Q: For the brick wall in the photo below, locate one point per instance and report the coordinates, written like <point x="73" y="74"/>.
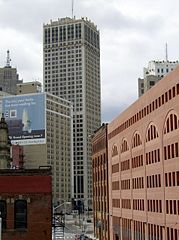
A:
<point x="36" y="191"/>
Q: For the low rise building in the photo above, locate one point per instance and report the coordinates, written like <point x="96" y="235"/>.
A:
<point x="25" y="204"/>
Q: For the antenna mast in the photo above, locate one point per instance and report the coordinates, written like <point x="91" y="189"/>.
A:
<point x="72" y="8"/>
<point x="166" y="52"/>
<point x="8" y="60"/>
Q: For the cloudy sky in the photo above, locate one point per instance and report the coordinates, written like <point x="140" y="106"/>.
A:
<point x="132" y="33"/>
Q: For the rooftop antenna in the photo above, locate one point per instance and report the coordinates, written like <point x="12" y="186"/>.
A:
<point x="8" y="60"/>
<point x="166" y="52"/>
<point x="72" y="8"/>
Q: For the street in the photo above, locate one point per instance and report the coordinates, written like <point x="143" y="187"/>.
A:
<point x="73" y="229"/>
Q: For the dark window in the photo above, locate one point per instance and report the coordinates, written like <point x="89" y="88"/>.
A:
<point x="3" y="211"/>
<point x="20" y="214"/>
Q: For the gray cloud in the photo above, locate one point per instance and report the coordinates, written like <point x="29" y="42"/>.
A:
<point x="132" y="33"/>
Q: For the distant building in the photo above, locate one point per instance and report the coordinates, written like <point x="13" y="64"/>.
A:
<point x="9" y="78"/>
<point x="29" y="87"/>
<point x="71" y="51"/>
<point x="17" y="155"/>
<point x="153" y="73"/>
<point x="1" y="96"/>
<point x="4" y="145"/>
<point x="42" y="124"/>
<point x="143" y="155"/>
<point x="100" y="183"/>
<point x="25" y="204"/>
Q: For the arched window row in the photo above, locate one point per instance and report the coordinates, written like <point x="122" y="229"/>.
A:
<point x="114" y="151"/>
<point x="124" y="146"/>
<point x="152" y="133"/>
<point x="136" y="140"/>
<point x="142" y="113"/>
<point x="171" y="124"/>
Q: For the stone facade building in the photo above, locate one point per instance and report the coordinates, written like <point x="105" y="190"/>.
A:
<point x="4" y="145"/>
<point x="71" y="51"/>
<point x="9" y="77"/>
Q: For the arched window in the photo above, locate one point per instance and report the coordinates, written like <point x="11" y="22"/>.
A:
<point x="3" y="211"/>
<point x="171" y="123"/>
<point x="136" y="140"/>
<point x="124" y="146"/>
<point x="114" y="151"/>
<point x="152" y="133"/>
<point x="20" y="214"/>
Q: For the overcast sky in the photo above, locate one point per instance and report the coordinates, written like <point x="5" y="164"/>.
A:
<point x="132" y="32"/>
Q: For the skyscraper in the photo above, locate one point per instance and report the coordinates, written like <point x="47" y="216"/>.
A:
<point x="71" y="52"/>
<point x="9" y="77"/>
<point x="155" y="71"/>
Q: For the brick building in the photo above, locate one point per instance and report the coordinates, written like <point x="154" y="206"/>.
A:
<point x="25" y="204"/>
<point x="100" y="183"/>
<point x="17" y="156"/>
<point x="143" y="147"/>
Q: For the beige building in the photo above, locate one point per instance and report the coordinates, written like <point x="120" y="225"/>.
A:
<point x="29" y="87"/>
<point x="143" y="153"/>
<point x="71" y="52"/>
<point x="56" y="148"/>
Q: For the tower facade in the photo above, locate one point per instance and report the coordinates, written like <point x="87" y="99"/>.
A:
<point x="71" y="52"/>
<point x="9" y="77"/>
<point x="155" y="71"/>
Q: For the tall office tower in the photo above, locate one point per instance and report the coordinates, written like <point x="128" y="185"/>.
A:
<point x="9" y="77"/>
<point x="71" y="52"/>
<point x="42" y="123"/>
<point x="155" y="71"/>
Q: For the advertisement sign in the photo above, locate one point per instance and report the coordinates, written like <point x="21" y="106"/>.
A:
<point x="25" y="116"/>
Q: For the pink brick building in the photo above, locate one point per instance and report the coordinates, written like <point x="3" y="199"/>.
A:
<point x="143" y="153"/>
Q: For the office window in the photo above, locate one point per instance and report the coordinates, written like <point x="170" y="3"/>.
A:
<point x="20" y="214"/>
